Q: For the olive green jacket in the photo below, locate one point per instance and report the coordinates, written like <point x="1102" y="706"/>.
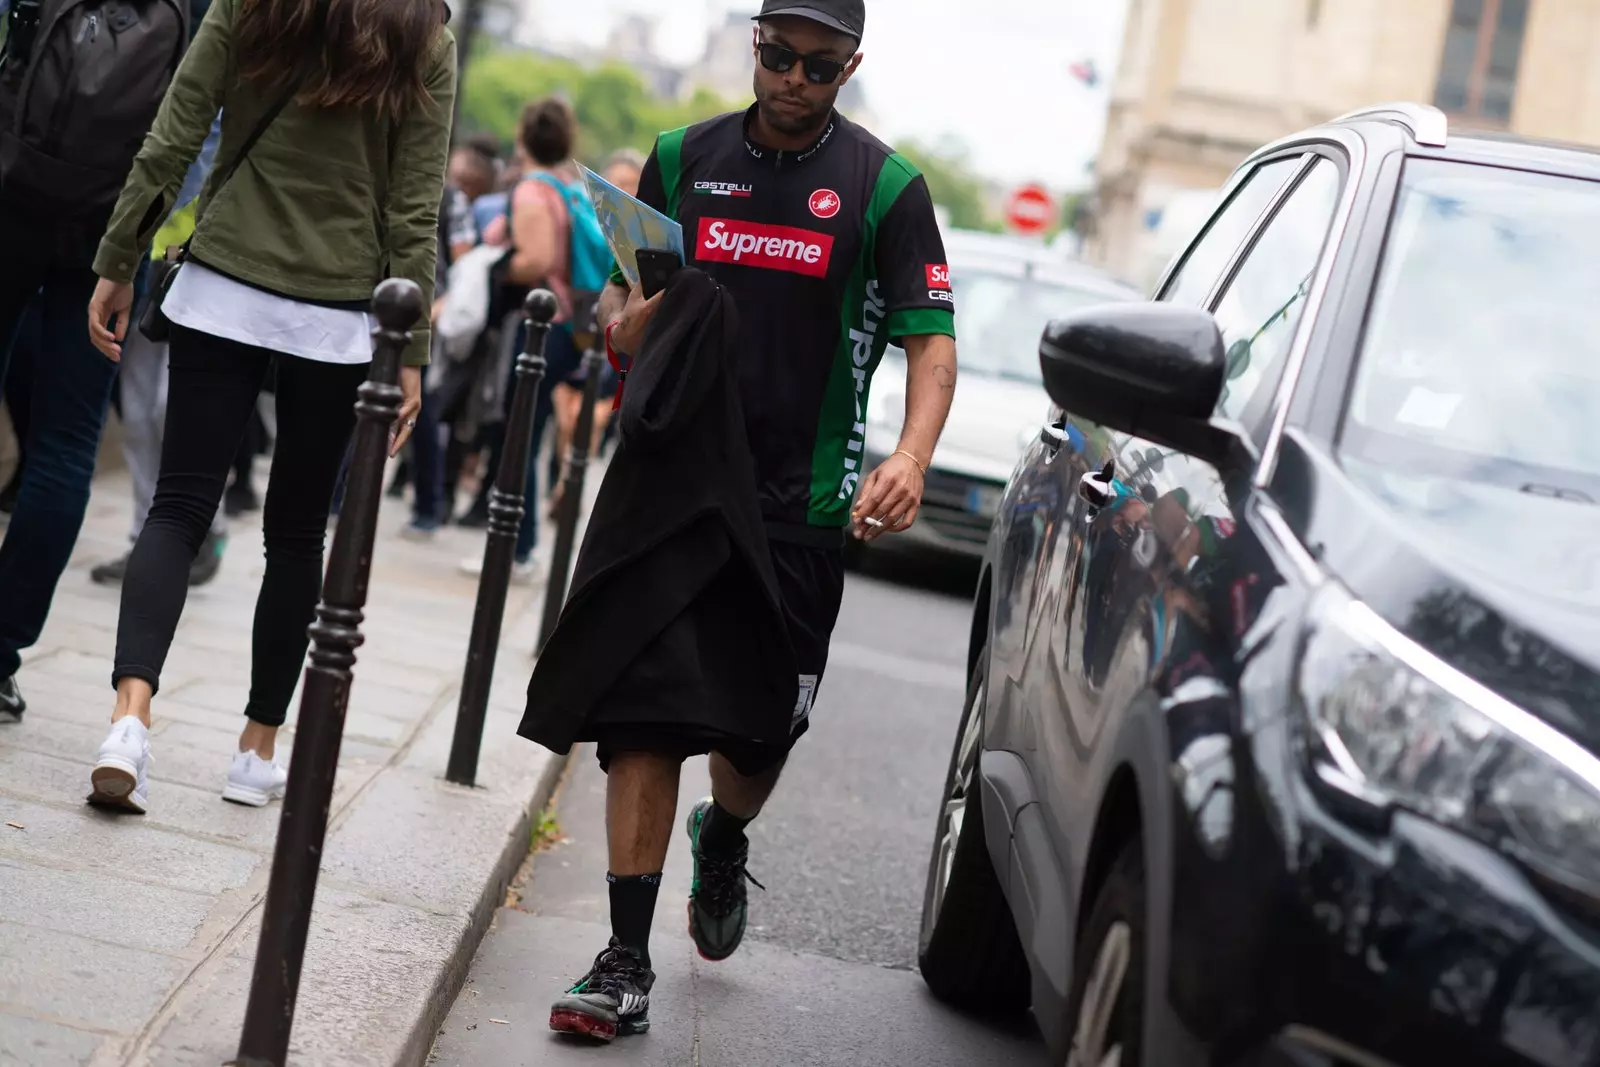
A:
<point x="329" y="202"/>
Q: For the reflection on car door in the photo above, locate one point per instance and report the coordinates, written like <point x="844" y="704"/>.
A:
<point x="1133" y="575"/>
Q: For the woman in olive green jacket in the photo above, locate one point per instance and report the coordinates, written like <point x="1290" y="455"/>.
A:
<point x="349" y="103"/>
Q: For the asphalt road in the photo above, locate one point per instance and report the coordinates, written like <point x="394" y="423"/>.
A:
<point x="828" y="972"/>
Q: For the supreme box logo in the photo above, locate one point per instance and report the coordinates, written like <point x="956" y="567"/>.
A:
<point x="938" y="276"/>
<point x="768" y="247"/>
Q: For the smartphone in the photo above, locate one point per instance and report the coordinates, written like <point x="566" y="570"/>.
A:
<point x="656" y="268"/>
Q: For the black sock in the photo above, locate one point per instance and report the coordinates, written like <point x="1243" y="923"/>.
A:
<point x="633" y="905"/>
<point x="722" y="833"/>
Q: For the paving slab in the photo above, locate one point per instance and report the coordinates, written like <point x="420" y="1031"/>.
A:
<point x="374" y="971"/>
<point x="35" y="1043"/>
<point x="58" y="974"/>
<point x="89" y="904"/>
<point x="118" y="843"/>
<point x="129" y="941"/>
<point x="766" y="1005"/>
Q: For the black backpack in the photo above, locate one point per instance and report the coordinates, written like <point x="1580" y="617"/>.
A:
<point x="80" y="84"/>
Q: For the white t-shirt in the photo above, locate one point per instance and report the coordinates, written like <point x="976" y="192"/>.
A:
<point x="213" y="303"/>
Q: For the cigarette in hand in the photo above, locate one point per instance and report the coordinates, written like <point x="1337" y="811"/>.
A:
<point x="870" y="521"/>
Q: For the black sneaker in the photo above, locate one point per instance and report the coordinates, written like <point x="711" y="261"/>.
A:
<point x="11" y="703"/>
<point x="718" y="903"/>
<point x="208" y="561"/>
<point x="612" y="1000"/>
<point x="110" y="573"/>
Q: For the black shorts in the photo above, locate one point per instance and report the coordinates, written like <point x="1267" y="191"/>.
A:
<point x="810" y="589"/>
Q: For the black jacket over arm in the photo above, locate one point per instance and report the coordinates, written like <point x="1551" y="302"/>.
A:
<point x="674" y="619"/>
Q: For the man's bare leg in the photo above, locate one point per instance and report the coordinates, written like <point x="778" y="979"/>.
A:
<point x="738" y="795"/>
<point x="641" y="803"/>
<point x="614" y="997"/>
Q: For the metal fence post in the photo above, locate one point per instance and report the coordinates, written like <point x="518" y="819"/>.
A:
<point x="335" y="635"/>
<point x="571" y="507"/>
<point x="505" y="517"/>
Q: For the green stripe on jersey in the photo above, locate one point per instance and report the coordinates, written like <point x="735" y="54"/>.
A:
<point x="837" y="457"/>
<point x="922" y="322"/>
<point x="669" y="154"/>
<point x="669" y="158"/>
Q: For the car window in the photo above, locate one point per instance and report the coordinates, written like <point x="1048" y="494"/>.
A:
<point x="1261" y="308"/>
<point x="1000" y="318"/>
<point x="1207" y="257"/>
<point x="1481" y="360"/>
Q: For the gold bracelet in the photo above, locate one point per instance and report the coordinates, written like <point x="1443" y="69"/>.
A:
<point x="908" y="455"/>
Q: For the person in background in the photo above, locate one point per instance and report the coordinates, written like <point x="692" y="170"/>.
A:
<point x="622" y="170"/>
<point x="541" y="232"/>
<point x="475" y="167"/>
<point x="281" y="272"/>
<point x="18" y="389"/>
<point x="142" y="387"/>
<point x="429" y="502"/>
<point x="53" y="208"/>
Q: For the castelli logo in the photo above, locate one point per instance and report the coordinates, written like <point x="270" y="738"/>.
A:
<point x="824" y="203"/>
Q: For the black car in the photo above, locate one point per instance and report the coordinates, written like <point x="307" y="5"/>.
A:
<point x="1281" y="740"/>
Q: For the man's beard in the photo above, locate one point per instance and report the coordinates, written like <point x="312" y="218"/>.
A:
<point x="795" y="124"/>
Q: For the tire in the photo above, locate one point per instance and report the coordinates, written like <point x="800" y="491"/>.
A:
<point x="1105" y="1011"/>
<point x="969" y="952"/>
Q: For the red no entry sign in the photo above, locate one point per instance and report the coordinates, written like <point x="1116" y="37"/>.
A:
<point x="1030" y="210"/>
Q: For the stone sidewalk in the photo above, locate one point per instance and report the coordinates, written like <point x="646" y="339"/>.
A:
<point x="129" y="940"/>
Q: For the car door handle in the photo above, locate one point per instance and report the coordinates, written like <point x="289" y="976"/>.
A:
<point x="1053" y="436"/>
<point x="1095" y="487"/>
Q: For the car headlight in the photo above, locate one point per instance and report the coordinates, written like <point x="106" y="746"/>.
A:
<point x="1393" y="726"/>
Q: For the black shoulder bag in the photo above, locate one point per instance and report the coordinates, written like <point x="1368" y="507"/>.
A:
<point x="154" y="323"/>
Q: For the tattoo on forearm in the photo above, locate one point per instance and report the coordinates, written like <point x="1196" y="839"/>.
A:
<point x="945" y="375"/>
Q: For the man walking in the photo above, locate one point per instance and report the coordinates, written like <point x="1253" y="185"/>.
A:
<point x="827" y="243"/>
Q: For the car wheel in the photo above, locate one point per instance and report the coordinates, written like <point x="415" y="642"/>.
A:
<point x="969" y="952"/>
<point x="1107" y="1002"/>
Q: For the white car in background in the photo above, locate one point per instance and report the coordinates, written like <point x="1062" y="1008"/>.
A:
<point x="1005" y="291"/>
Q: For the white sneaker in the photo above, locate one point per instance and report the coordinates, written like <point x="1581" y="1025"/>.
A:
<point x="521" y="573"/>
<point x="254" y="781"/>
<point x="119" y="778"/>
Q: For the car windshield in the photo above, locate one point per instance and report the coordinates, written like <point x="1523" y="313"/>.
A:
<point x="1482" y="352"/>
<point x="1001" y="315"/>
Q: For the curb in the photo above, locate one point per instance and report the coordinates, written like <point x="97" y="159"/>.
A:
<point x="419" y="1045"/>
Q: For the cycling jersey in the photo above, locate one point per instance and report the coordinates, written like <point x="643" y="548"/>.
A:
<point x="829" y="254"/>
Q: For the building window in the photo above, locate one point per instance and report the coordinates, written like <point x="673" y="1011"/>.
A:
<point x="1482" y="49"/>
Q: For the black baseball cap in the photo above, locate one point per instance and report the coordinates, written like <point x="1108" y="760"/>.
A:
<point x="846" y="16"/>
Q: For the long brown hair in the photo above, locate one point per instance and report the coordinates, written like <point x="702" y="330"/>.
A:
<point x="371" y="51"/>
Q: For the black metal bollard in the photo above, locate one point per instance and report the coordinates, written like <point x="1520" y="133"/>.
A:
<point x="335" y="635"/>
<point x="572" y="479"/>
<point x="505" y="517"/>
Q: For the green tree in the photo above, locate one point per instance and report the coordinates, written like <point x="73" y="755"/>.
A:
<point x="952" y="185"/>
<point x="613" y="107"/>
<point x="615" y="110"/>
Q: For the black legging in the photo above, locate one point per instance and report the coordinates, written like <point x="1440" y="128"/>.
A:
<point x="211" y="390"/>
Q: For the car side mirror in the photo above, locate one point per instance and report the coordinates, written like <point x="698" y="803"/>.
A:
<point x="1152" y="370"/>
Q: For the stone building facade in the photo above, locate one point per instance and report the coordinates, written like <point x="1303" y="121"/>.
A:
<point x="1204" y="82"/>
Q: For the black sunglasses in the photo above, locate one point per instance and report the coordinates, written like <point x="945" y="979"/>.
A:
<point x="820" y="70"/>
